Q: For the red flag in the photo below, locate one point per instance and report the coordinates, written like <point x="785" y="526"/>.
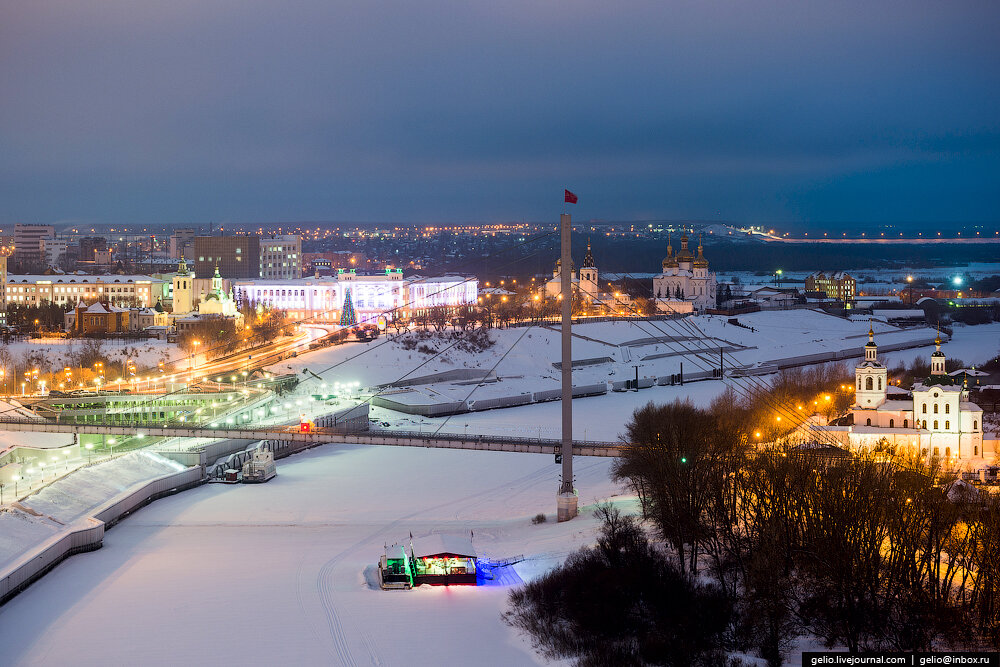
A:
<point x="570" y="197"/>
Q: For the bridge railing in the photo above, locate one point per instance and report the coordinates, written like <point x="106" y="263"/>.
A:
<point x="261" y="432"/>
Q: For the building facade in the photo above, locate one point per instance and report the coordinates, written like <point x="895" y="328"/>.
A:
<point x="685" y="278"/>
<point x="322" y="299"/>
<point x="97" y="319"/>
<point x="838" y="285"/>
<point x="934" y="420"/>
<point x="281" y="257"/>
<point x="61" y="289"/>
<point x="27" y="243"/>
<point x="53" y="251"/>
<point x="238" y="257"/>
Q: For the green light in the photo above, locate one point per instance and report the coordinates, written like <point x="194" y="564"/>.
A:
<point x="684" y="459"/>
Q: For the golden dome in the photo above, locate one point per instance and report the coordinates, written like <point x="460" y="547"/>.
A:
<point x="700" y="262"/>
<point x="669" y="261"/>
<point x="684" y="254"/>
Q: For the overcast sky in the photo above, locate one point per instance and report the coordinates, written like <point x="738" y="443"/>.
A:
<point x="191" y="111"/>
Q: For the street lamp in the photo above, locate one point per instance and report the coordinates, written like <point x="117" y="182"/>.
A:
<point x="909" y="286"/>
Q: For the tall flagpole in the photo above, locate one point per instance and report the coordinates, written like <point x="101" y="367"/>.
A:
<point x="566" y="501"/>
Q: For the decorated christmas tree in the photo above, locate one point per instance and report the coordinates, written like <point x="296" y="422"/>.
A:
<point x="347" y="315"/>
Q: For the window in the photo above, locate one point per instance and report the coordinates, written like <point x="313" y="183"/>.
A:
<point x="868" y="383"/>
<point x="868" y="422"/>
<point x="975" y="450"/>
<point x="975" y="424"/>
<point x="880" y="383"/>
<point x="947" y="408"/>
<point x="947" y="424"/>
<point x="924" y="425"/>
<point x="935" y="408"/>
<point x="935" y="424"/>
<point x="937" y="451"/>
<point x="906" y="423"/>
<point x="947" y="452"/>
<point x="923" y="408"/>
<point x="892" y="423"/>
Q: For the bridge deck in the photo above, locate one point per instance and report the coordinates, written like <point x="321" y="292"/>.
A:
<point x="325" y="435"/>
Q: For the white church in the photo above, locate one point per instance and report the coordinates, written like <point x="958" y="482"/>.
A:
<point x="935" y="417"/>
<point x="190" y="307"/>
<point x="583" y="283"/>
<point x="686" y="285"/>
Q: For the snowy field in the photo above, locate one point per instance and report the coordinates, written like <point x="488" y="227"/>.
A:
<point x="974" y="345"/>
<point x="523" y="357"/>
<point x="275" y="573"/>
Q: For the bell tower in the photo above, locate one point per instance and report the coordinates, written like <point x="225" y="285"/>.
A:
<point x="183" y="289"/>
<point x="871" y="377"/>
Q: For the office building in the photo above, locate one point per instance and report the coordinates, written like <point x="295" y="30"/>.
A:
<point x="238" y="257"/>
<point x="281" y="257"/>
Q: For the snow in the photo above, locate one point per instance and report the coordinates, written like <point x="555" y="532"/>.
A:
<point x="78" y="493"/>
<point x="523" y="359"/>
<point x="275" y="573"/>
<point x="596" y="418"/>
<point x="19" y="527"/>
<point x="60" y="352"/>
<point x="974" y="345"/>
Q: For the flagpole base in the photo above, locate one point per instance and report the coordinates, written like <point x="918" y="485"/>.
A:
<point x="566" y="506"/>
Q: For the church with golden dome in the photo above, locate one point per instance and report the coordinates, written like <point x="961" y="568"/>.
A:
<point x="686" y="285"/>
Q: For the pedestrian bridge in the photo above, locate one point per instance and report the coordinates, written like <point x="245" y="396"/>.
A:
<point x="347" y="433"/>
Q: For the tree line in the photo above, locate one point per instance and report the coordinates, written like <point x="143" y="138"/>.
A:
<point x="866" y="551"/>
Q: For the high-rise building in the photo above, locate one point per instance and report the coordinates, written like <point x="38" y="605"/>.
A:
<point x="238" y="257"/>
<point x="281" y="257"/>
<point x="28" y="246"/>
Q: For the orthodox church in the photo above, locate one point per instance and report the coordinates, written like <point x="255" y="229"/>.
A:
<point x="935" y="416"/>
<point x="584" y="283"/>
<point x="686" y="285"/>
<point x="215" y="303"/>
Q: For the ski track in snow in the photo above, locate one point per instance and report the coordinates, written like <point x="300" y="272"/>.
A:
<point x="325" y="580"/>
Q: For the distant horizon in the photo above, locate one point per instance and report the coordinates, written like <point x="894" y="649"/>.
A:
<point x="781" y="113"/>
<point x="908" y="229"/>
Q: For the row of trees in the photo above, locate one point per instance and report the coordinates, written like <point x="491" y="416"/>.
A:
<point x="217" y="337"/>
<point x="862" y="551"/>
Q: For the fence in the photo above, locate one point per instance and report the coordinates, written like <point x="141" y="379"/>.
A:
<point x="82" y="535"/>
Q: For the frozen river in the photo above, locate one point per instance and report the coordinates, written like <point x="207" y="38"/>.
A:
<point x="274" y="573"/>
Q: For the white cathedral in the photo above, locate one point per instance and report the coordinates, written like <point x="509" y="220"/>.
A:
<point x="686" y="285"/>
<point x="935" y="417"/>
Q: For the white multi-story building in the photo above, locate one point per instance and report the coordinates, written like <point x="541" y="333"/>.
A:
<point x="281" y="257"/>
<point x="61" y="289"/>
<point x="53" y="250"/>
<point x="322" y="299"/>
<point x="936" y="419"/>
<point x="686" y="284"/>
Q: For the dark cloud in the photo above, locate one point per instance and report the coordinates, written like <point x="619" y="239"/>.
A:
<point x="189" y="111"/>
